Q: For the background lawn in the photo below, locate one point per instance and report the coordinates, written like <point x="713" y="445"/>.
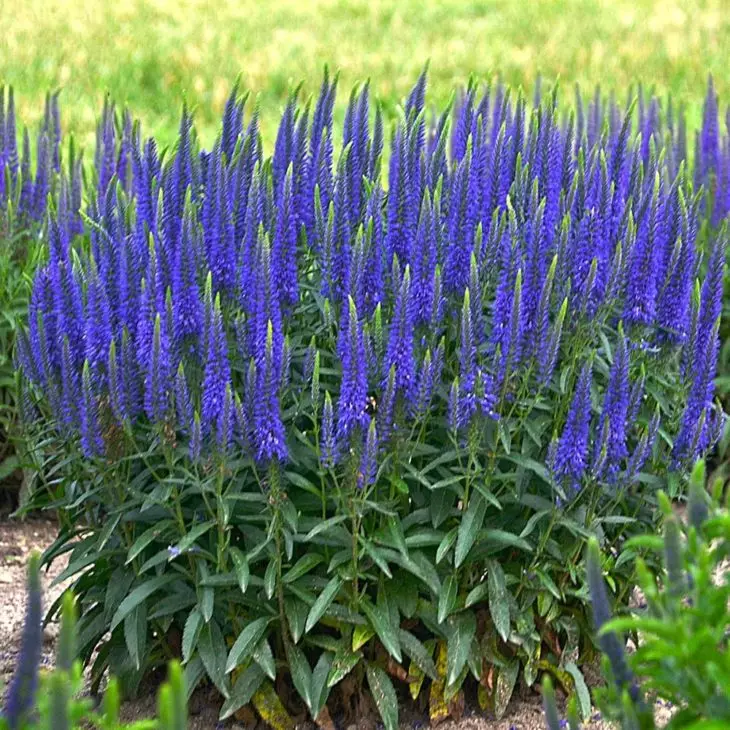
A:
<point x="148" y="53"/>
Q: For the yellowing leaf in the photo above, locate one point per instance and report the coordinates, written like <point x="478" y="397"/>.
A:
<point x="268" y="705"/>
<point x="361" y="635"/>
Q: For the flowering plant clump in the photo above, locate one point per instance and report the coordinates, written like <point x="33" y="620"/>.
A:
<point x="24" y="195"/>
<point x="25" y="185"/>
<point x="351" y="434"/>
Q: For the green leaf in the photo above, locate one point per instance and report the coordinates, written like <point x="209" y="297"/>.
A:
<point x="445" y="457"/>
<point x="261" y="543"/>
<point x="108" y="530"/>
<point x="617" y="520"/>
<point x="290" y="515"/>
<point x="8" y="465"/>
<point x="191" y="633"/>
<point x="243" y="690"/>
<point x="469" y="528"/>
<point x="405" y="592"/>
<point x="264" y="657"/>
<point x="155" y="532"/>
<point x="648" y="542"/>
<point x="464" y="627"/>
<point x="296" y="614"/>
<point x="533" y="521"/>
<point x="135" y="634"/>
<point x="301" y="674"/>
<point x="193" y="674"/>
<point x="418" y="653"/>
<point x="303" y="483"/>
<point x="173" y="603"/>
<point x="506" y="539"/>
<point x="476" y="657"/>
<point x="270" y="579"/>
<point x="159" y="558"/>
<point x="505" y="436"/>
<point x="384" y="695"/>
<point x="584" y="696"/>
<point x="342" y="664"/>
<point x="417" y="564"/>
<point x="447" y="598"/>
<point x="380" y="621"/>
<point x="534" y="466"/>
<point x="243" y="573"/>
<point x="77" y="565"/>
<point x="361" y="635"/>
<point x="657" y="627"/>
<point x="212" y="650"/>
<point x="422" y="537"/>
<point x="476" y="594"/>
<point x="191" y="537"/>
<point x="321" y="527"/>
<point x="302" y="567"/>
<point x="504" y="687"/>
<point x="139" y="594"/>
<point x="322" y="603"/>
<point x="91" y="627"/>
<point x="118" y="587"/>
<point x="319" y="691"/>
<point x="207" y="593"/>
<point x="401" y="486"/>
<point x="246" y="642"/>
<point x="442" y="500"/>
<point x="377" y="556"/>
<point x="548" y="583"/>
<point x="446" y="544"/>
<point x="498" y="605"/>
<point x="395" y="529"/>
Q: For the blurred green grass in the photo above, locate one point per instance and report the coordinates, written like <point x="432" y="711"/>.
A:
<point x="149" y="54"/>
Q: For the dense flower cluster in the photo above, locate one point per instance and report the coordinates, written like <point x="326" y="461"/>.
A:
<point x="712" y="156"/>
<point x="27" y="184"/>
<point x="516" y="252"/>
<point x="403" y="379"/>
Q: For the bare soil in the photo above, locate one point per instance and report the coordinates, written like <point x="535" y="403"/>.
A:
<point x="19" y="539"/>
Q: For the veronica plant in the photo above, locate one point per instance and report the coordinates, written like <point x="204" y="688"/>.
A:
<point x="298" y="423"/>
<point x="712" y="170"/>
<point x="712" y="152"/>
<point x="27" y="183"/>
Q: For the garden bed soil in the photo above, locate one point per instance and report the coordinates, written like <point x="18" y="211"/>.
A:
<point x="19" y="539"/>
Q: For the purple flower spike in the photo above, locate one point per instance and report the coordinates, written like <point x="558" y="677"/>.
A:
<point x="570" y="459"/>
<point x="20" y="700"/>
<point x="91" y="440"/>
<point x="196" y="438"/>
<point x="217" y="375"/>
<point x="399" y="352"/>
<point x="710" y="136"/>
<point x="327" y="438"/>
<point x="269" y="436"/>
<point x="183" y="402"/>
<point x="284" y="248"/>
<point x="353" y="391"/>
<point x="369" y="462"/>
<point x="615" y="409"/>
<point x="158" y="378"/>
